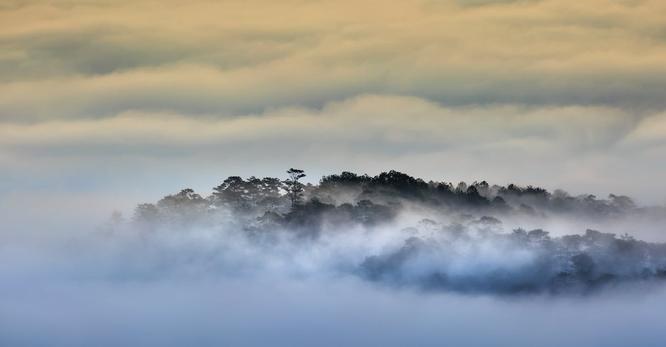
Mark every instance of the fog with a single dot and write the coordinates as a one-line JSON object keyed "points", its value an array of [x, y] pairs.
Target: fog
{"points": [[173, 294], [244, 312], [130, 131], [354, 260]]}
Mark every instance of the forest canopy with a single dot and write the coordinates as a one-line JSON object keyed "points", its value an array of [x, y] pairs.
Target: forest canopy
{"points": [[432, 235], [368, 199]]}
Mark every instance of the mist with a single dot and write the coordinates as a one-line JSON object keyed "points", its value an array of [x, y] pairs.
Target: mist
{"points": [[354, 260], [463, 173]]}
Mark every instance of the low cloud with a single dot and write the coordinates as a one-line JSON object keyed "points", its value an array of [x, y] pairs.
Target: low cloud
{"points": [[388, 119], [572, 147]]}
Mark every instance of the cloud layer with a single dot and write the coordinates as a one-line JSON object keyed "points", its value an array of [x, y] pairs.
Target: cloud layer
{"points": [[78, 59], [92, 92], [598, 149], [106, 103]]}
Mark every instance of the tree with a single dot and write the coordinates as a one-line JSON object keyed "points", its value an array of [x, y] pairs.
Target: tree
{"points": [[269, 193], [183, 207], [233, 193], [293, 187], [146, 215]]}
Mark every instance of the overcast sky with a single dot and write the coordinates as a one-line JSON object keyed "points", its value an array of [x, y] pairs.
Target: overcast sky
{"points": [[109, 103]]}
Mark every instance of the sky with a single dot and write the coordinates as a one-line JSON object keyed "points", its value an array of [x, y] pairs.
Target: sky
{"points": [[104, 104]]}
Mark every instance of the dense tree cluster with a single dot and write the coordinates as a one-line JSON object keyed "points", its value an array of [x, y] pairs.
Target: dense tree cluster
{"points": [[360, 199], [463, 248], [532, 261]]}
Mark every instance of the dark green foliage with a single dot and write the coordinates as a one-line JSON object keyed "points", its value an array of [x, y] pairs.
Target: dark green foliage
{"points": [[362, 199], [293, 187], [573, 263]]}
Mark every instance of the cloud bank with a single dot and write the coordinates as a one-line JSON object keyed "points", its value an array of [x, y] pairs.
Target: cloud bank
{"points": [[106, 58], [596, 149], [91, 93]]}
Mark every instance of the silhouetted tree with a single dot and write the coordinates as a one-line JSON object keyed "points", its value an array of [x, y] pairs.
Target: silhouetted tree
{"points": [[184, 207], [232, 193], [269, 196], [293, 187], [345, 179], [400, 182], [146, 213]]}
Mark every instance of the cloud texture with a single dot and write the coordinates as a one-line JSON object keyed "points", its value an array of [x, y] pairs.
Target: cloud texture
{"points": [[220, 57], [463, 89], [106, 103]]}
